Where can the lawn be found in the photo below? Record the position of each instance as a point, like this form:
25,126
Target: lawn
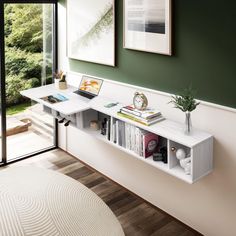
17,108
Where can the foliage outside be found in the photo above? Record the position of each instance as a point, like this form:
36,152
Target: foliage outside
185,101
13,110
24,56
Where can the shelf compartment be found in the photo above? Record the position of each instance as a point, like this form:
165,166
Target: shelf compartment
102,119
176,171
174,163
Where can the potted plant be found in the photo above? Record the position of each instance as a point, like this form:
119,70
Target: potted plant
60,80
186,103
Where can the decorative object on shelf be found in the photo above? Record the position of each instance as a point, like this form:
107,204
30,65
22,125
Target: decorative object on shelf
184,159
94,125
186,165
150,144
104,127
163,151
180,154
60,80
161,155
157,156
140,101
186,103
147,26
91,36
112,104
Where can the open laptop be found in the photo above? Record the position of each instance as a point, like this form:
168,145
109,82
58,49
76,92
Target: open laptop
89,87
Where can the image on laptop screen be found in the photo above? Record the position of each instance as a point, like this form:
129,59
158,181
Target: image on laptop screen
89,86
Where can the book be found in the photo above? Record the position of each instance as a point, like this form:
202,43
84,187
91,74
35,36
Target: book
141,149
143,122
132,136
146,114
137,140
55,98
127,136
140,118
121,133
150,144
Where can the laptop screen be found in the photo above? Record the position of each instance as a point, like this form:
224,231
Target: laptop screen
90,85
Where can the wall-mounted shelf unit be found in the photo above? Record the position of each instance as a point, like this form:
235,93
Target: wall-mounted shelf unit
198,145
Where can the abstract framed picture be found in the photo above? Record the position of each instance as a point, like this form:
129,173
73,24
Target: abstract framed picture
147,25
91,31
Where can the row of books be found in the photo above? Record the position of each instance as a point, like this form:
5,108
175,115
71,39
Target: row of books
146,117
132,138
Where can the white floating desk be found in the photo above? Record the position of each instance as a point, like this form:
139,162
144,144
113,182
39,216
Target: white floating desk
199,145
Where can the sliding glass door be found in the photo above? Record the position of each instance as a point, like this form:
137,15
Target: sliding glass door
29,62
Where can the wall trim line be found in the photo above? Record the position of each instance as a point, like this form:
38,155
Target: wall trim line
205,103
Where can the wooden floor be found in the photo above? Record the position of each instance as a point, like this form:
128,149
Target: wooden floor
137,217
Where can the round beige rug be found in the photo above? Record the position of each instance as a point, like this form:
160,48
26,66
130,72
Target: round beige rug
39,202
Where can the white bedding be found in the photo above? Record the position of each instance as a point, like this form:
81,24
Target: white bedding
35,201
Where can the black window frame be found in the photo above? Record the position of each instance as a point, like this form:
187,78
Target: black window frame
3,153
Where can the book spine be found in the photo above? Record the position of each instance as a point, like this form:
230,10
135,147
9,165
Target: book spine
140,114
127,135
137,144
136,113
140,118
131,118
123,134
111,129
133,138
147,123
117,132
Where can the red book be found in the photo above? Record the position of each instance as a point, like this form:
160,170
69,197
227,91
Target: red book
150,144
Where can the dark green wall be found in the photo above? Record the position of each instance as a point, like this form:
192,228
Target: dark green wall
204,44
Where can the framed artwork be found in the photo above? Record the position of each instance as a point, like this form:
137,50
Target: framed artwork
147,25
91,31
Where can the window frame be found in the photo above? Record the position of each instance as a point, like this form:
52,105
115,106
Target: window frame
3,153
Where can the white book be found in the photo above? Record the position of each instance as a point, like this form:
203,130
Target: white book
133,138
127,135
141,142
111,129
137,143
119,132
122,124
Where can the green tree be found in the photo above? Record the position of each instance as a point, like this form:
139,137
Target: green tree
24,26
24,48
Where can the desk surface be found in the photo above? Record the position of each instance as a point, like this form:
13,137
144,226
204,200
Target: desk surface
73,105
